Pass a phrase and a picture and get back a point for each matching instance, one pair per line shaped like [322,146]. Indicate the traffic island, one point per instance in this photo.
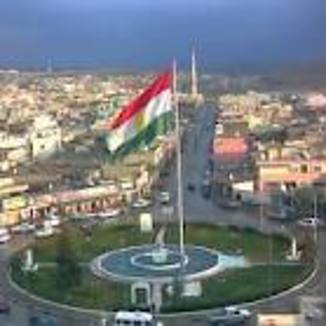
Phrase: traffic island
[262,274]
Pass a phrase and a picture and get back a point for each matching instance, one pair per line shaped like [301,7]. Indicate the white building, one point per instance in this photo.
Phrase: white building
[45,137]
[8,141]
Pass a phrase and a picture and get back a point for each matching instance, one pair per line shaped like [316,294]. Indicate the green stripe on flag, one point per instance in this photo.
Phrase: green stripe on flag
[145,138]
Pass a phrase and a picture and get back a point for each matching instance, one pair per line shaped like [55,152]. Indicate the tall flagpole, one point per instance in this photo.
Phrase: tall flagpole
[179,165]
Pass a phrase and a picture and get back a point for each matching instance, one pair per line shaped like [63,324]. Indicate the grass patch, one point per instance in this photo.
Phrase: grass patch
[92,293]
[241,286]
[251,243]
[102,239]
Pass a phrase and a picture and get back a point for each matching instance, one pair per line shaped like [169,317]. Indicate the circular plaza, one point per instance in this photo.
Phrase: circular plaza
[157,264]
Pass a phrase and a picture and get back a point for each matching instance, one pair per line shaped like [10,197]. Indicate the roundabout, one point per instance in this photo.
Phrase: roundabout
[230,264]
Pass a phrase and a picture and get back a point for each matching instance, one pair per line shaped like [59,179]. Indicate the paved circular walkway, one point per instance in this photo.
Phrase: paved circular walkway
[137,264]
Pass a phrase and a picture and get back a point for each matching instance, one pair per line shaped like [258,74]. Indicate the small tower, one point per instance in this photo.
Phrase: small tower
[194,81]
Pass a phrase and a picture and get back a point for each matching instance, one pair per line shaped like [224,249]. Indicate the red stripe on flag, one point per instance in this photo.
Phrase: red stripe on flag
[161,83]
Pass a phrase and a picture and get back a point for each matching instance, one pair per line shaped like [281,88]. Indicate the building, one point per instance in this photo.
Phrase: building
[230,148]
[282,174]
[45,137]
[13,199]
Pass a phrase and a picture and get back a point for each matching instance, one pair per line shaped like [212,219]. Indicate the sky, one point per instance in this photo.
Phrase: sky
[144,33]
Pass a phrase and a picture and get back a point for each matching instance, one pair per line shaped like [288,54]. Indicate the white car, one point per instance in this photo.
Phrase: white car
[314,314]
[109,213]
[230,315]
[4,235]
[24,227]
[310,221]
[44,232]
[141,203]
[53,220]
[164,197]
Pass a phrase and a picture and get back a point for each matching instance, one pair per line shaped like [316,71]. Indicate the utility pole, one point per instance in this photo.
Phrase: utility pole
[180,211]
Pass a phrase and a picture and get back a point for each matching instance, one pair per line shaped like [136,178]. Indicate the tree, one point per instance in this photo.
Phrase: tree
[304,200]
[68,269]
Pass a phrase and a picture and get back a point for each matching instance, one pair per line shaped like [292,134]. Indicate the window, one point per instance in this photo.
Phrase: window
[317,168]
[304,168]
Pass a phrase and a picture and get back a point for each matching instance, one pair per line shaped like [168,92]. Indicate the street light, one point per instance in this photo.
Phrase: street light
[316,217]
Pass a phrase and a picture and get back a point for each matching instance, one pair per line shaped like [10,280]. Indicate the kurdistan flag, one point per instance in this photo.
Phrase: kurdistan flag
[142,120]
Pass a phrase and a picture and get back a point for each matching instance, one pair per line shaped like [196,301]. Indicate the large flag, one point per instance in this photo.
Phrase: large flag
[142,120]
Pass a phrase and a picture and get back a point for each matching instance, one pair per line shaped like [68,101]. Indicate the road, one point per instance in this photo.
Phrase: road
[197,209]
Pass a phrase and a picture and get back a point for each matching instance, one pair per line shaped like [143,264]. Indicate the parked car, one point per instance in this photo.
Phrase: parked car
[191,186]
[164,197]
[310,221]
[4,235]
[109,213]
[83,216]
[4,305]
[229,203]
[45,231]
[230,316]
[141,203]
[88,225]
[206,191]
[24,227]
[54,220]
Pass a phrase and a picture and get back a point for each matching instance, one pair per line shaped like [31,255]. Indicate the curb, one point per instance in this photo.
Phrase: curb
[102,313]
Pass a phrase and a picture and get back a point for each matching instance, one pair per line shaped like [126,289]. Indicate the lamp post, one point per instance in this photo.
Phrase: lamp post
[315,212]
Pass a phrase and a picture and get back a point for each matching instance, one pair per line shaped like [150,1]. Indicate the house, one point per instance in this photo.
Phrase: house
[288,173]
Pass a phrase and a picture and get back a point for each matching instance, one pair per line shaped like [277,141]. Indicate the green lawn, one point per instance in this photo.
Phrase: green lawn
[241,286]
[254,245]
[92,293]
[230,239]
[103,238]
[232,287]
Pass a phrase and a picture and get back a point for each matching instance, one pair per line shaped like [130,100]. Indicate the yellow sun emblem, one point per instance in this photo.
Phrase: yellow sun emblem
[140,121]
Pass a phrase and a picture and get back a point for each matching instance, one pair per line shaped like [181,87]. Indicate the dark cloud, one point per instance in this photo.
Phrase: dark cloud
[149,32]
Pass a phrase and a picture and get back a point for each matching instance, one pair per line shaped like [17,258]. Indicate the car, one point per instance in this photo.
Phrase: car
[24,227]
[4,235]
[45,231]
[82,217]
[229,204]
[54,220]
[191,187]
[88,225]
[44,319]
[206,191]
[109,213]
[141,203]
[164,197]
[4,305]
[314,313]
[310,222]
[230,316]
